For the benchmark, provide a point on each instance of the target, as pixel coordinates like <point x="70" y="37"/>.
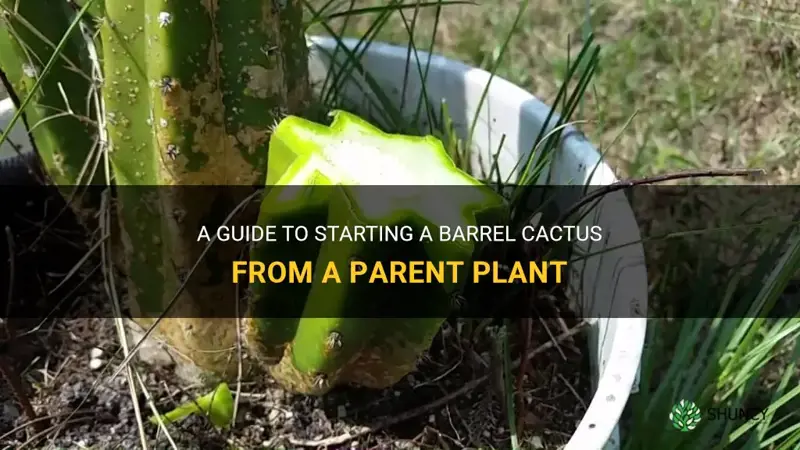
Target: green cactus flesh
<point x="188" y="93"/>
<point x="58" y="116"/>
<point x="316" y="335"/>
<point x="200" y="83"/>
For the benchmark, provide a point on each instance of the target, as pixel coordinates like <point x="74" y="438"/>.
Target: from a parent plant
<point x="181" y="93"/>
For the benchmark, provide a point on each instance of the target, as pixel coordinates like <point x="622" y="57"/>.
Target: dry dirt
<point x="454" y="400"/>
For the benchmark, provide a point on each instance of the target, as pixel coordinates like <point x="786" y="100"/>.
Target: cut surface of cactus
<point x="321" y="334"/>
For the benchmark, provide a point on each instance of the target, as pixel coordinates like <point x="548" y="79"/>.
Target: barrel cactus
<point x="175" y="93"/>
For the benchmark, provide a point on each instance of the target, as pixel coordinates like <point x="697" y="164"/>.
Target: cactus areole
<point x="316" y="335"/>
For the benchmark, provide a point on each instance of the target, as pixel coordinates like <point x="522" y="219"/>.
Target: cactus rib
<point x="317" y="335"/>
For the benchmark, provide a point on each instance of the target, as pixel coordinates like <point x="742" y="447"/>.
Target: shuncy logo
<point x="686" y="415"/>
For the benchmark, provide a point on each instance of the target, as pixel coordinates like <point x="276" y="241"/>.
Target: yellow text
<point x="535" y="272"/>
<point x="274" y="272"/>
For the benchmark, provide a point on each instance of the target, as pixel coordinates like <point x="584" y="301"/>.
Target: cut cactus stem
<point x="317" y="335"/>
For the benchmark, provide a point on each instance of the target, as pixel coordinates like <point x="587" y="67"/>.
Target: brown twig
<point x="14" y="430"/>
<point x="7" y="370"/>
<point x="11" y="269"/>
<point x="527" y="331"/>
<point x="573" y="391"/>
<point x="239" y="354"/>
<point x="438" y="403"/>
<point x="42" y="433"/>
<point x="623" y="184"/>
<point x="13" y="379"/>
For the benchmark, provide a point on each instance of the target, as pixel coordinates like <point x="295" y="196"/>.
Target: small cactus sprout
<point x="334" y="341"/>
<point x="164" y="19"/>
<point x="167" y="84"/>
<point x="172" y="151"/>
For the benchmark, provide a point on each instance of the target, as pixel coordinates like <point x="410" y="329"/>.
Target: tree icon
<point x="685" y="415"/>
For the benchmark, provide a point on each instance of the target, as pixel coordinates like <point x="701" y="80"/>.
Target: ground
<point x="453" y="400"/>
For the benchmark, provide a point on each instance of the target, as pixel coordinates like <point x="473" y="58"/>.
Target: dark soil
<point x="93" y="410"/>
<point x="86" y="409"/>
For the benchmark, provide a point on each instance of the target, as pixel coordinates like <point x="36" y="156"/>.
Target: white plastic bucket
<point x="612" y="284"/>
<point x="616" y="279"/>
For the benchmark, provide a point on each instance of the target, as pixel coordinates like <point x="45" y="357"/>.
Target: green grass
<point x="679" y="85"/>
<point x="708" y="85"/>
<point x="739" y="359"/>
